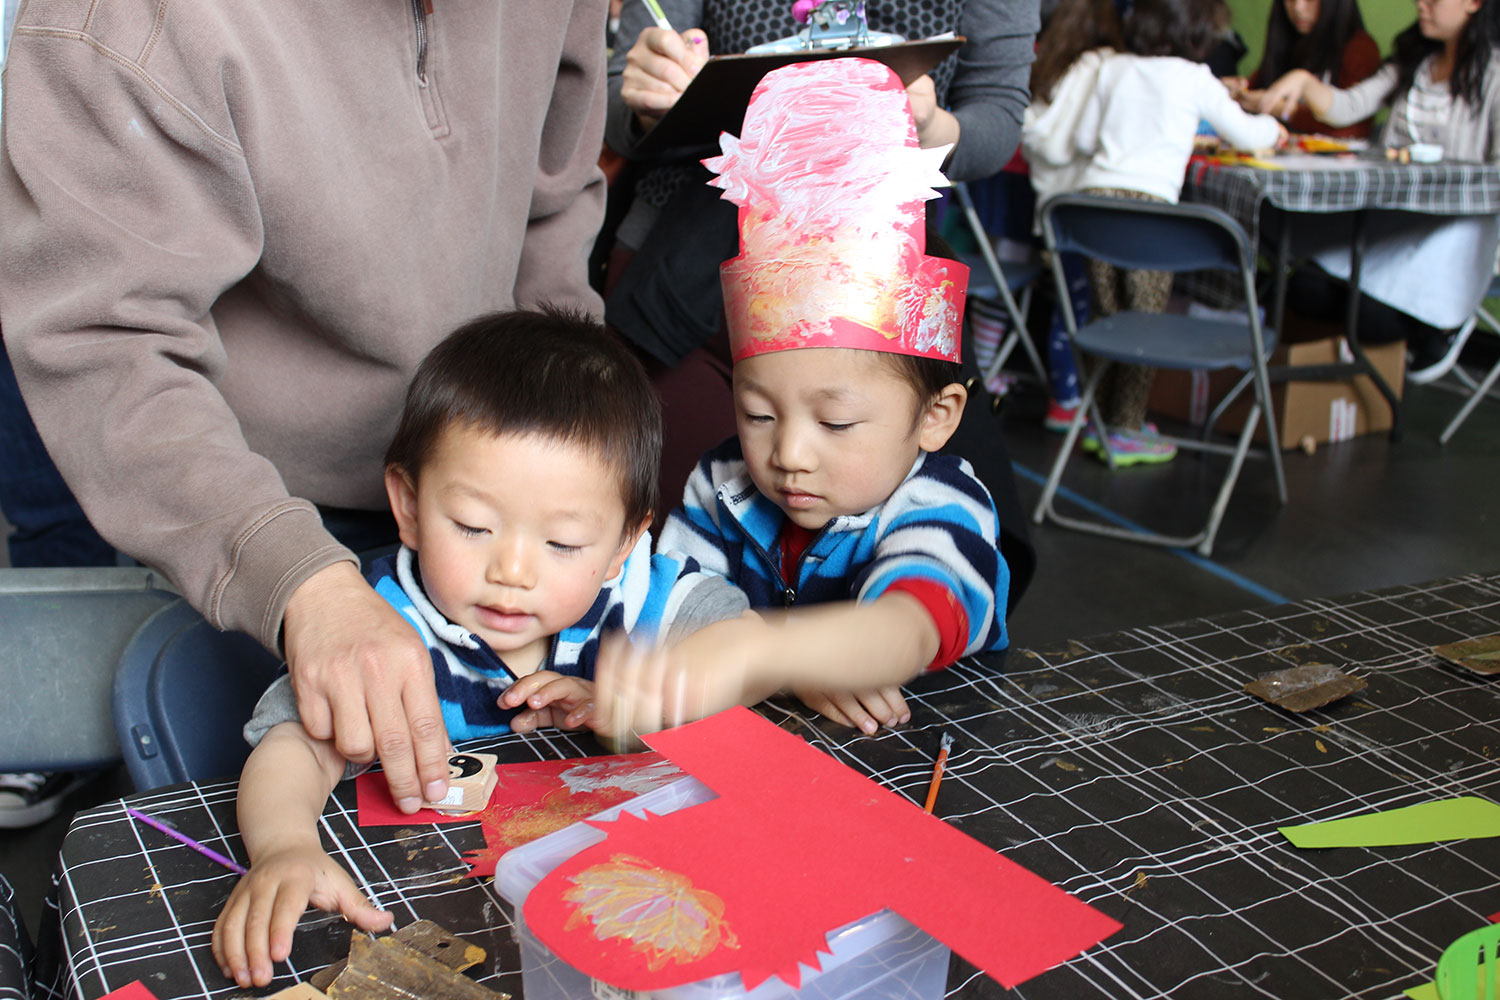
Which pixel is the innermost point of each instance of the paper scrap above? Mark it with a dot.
(1460, 818)
(1305, 687)
(1427, 991)
(740, 883)
(134, 991)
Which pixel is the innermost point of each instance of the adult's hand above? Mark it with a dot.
(1296, 87)
(658, 68)
(935, 126)
(363, 679)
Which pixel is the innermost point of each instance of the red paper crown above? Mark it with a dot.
(831, 182)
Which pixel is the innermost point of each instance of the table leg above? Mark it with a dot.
(1351, 326)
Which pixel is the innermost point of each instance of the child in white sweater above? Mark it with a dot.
(1137, 131)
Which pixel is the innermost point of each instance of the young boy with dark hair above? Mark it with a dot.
(845, 337)
(522, 479)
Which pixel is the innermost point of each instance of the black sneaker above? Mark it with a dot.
(31, 797)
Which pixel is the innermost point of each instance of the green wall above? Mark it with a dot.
(1383, 19)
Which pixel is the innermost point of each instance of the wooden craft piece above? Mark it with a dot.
(427, 938)
(1304, 688)
(385, 969)
(301, 991)
(471, 779)
(1479, 655)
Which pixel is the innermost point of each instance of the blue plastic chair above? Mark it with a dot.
(997, 287)
(1157, 236)
(182, 693)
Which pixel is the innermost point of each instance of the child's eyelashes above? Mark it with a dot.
(563, 549)
(469, 531)
(758, 418)
(833, 426)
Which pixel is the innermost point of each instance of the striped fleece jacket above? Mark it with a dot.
(939, 525)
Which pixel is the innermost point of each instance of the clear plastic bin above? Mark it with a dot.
(881, 956)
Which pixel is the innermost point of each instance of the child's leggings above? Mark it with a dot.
(1124, 389)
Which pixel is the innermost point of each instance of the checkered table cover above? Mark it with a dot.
(1368, 182)
(1130, 769)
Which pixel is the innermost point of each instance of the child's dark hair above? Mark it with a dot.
(1075, 27)
(550, 372)
(1320, 51)
(926, 376)
(1471, 58)
(1187, 29)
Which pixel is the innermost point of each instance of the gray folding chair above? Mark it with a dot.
(1156, 236)
(999, 286)
(1475, 389)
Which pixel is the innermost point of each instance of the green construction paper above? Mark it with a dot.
(1427, 991)
(1426, 823)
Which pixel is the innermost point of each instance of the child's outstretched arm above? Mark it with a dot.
(282, 790)
(843, 648)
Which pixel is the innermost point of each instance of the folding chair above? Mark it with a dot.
(1160, 237)
(1476, 390)
(182, 693)
(1002, 287)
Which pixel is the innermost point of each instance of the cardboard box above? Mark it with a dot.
(1324, 411)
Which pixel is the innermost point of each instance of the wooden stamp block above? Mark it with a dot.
(471, 780)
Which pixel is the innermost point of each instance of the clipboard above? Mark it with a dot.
(715, 101)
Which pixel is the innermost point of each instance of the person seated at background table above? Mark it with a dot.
(522, 478)
(662, 288)
(1442, 85)
(1137, 131)
(1327, 38)
(832, 500)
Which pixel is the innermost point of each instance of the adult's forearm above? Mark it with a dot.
(990, 91)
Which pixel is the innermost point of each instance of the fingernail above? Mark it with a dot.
(435, 790)
(409, 805)
(869, 726)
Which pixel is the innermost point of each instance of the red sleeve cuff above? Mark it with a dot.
(947, 614)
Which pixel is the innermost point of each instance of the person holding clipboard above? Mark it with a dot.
(662, 287)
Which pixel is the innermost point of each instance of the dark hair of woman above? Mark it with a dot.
(1320, 51)
(1187, 29)
(1476, 45)
(1075, 27)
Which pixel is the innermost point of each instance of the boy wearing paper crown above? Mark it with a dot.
(845, 337)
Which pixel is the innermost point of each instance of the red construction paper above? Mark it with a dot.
(796, 845)
(134, 991)
(530, 800)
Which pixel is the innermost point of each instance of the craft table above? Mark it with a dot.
(1130, 769)
(1277, 204)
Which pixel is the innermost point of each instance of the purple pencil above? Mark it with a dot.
(182, 838)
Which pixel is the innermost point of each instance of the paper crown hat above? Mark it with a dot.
(830, 184)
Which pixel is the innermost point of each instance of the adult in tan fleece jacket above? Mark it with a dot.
(228, 233)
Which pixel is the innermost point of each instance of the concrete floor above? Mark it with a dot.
(1362, 514)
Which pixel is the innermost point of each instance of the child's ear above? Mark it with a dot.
(402, 493)
(940, 418)
(628, 542)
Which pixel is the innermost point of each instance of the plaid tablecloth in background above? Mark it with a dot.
(1322, 185)
(1130, 769)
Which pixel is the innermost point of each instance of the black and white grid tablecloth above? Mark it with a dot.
(1130, 769)
(1321, 185)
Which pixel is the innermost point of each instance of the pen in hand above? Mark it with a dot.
(657, 15)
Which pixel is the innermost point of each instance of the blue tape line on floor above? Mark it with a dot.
(1208, 565)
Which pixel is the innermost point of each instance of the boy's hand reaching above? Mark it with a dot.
(866, 711)
(551, 699)
(255, 927)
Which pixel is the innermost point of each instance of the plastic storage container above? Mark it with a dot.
(882, 956)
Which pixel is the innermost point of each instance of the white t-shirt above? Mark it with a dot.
(1139, 124)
